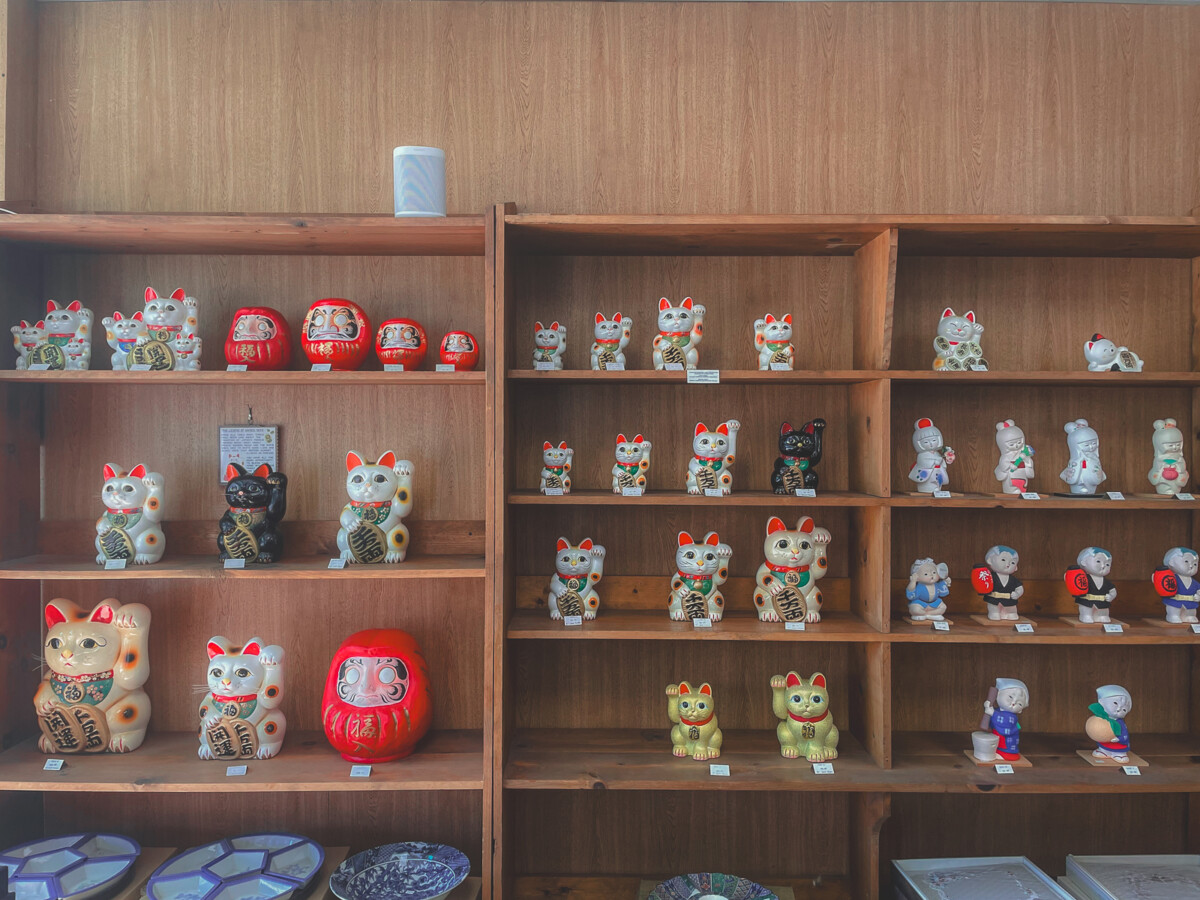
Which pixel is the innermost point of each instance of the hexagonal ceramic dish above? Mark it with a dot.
(70, 867)
(251, 867)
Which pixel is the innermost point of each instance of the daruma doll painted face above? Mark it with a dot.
(401, 341)
(377, 705)
(337, 332)
(461, 350)
(259, 339)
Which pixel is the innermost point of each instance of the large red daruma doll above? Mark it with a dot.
(376, 705)
(259, 339)
(337, 332)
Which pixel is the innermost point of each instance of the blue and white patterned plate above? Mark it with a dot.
(251, 867)
(70, 867)
(411, 871)
(710, 886)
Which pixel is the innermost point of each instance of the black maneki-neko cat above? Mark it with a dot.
(799, 452)
(250, 528)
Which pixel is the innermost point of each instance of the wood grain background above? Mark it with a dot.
(211, 105)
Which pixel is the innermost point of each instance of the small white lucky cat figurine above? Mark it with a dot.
(123, 334)
(62, 340)
(549, 344)
(773, 340)
(1083, 473)
(130, 528)
(786, 583)
(1103, 355)
(930, 471)
(1014, 469)
(701, 567)
(381, 495)
(632, 465)
(612, 337)
(957, 343)
(680, 329)
(573, 588)
(170, 341)
(1168, 473)
(240, 716)
(556, 468)
(711, 465)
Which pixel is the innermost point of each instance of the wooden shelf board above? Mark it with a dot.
(343, 235)
(640, 759)
(444, 761)
(222, 378)
(1074, 377)
(682, 498)
(48, 567)
(652, 625)
(1166, 237)
(1047, 501)
(1047, 630)
(615, 887)
(728, 376)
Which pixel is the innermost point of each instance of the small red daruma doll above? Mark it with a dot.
(461, 350)
(376, 705)
(259, 339)
(401, 341)
(337, 332)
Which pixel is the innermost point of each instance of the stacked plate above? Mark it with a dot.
(70, 867)
(710, 886)
(251, 867)
(1165, 877)
(982, 878)
(409, 871)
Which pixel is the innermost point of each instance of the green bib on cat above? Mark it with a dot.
(87, 689)
(699, 583)
(236, 707)
(123, 519)
(372, 513)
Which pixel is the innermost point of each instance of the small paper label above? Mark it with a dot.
(233, 771)
(1024, 628)
(54, 765)
(704, 376)
(572, 620)
(718, 769)
(140, 367)
(712, 492)
(780, 367)
(806, 492)
(615, 367)
(1131, 770)
(39, 367)
(337, 563)
(793, 626)
(391, 367)
(702, 623)
(977, 367)
(631, 492)
(1004, 768)
(942, 495)
(237, 367)
(1030, 495)
(554, 492)
(673, 367)
(543, 365)
(235, 564)
(1196, 628)
(1184, 496)
(115, 563)
(444, 367)
(825, 768)
(941, 626)
(322, 367)
(1115, 495)
(360, 771)
(1113, 628)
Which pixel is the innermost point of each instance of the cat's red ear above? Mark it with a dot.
(547, 445)
(251, 649)
(109, 472)
(639, 439)
(41, 323)
(554, 326)
(586, 545)
(215, 649)
(663, 303)
(262, 471)
(807, 525)
(75, 306)
(353, 461)
(117, 317)
(54, 615)
(538, 326)
(138, 315)
(793, 680)
(102, 614)
(600, 318)
(706, 688)
(150, 294)
(970, 316)
(563, 544)
(617, 317)
(818, 680)
(700, 429)
(770, 319)
(178, 294)
(684, 688)
(722, 428)
(947, 313)
(785, 428)
(685, 539)
(620, 438)
(231, 472)
(776, 524)
(562, 445)
(712, 539)
(138, 471)
(51, 306)
(388, 460)
(687, 303)
(788, 319)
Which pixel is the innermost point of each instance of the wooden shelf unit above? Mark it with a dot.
(580, 712)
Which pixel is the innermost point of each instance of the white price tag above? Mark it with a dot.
(54, 765)
(1131, 770)
(337, 563)
(1114, 628)
(712, 492)
(793, 626)
(322, 367)
(140, 367)
(1030, 495)
(360, 771)
(553, 492)
(823, 768)
(115, 563)
(704, 376)
(1004, 768)
(543, 365)
(235, 564)
(1184, 496)
(572, 620)
(941, 626)
(1115, 495)
(806, 492)
(444, 367)
(1195, 628)
(631, 492)
(615, 367)
(942, 495)
(39, 367)
(780, 367)
(718, 769)
(237, 367)
(1024, 627)
(392, 367)
(702, 623)
(977, 367)
(234, 771)
(673, 367)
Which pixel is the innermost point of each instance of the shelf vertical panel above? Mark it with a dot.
(18, 159)
(871, 698)
(1195, 313)
(875, 289)
(870, 437)
(868, 812)
(493, 633)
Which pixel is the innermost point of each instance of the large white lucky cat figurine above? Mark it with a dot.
(612, 337)
(785, 586)
(372, 527)
(773, 340)
(1083, 473)
(680, 329)
(63, 340)
(171, 340)
(240, 716)
(701, 567)
(957, 343)
(713, 454)
(578, 570)
(1168, 473)
(549, 344)
(131, 528)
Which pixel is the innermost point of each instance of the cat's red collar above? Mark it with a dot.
(369, 503)
(699, 724)
(247, 509)
(95, 676)
(130, 511)
(775, 568)
(805, 719)
(674, 333)
(242, 699)
(711, 458)
(608, 343)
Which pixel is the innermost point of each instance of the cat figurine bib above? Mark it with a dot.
(696, 733)
(171, 328)
(123, 333)
(573, 587)
(91, 699)
(372, 528)
(713, 453)
(130, 528)
(701, 567)
(773, 340)
(240, 716)
(62, 340)
(549, 344)
(786, 583)
(556, 468)
(807, 728)
(257, 501)
(800, 450)
(680, 329)
(612, 337)
(632, 465)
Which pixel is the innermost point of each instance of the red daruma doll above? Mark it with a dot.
(259, 339)
(460, 349)
(376, 705)
(336, 331)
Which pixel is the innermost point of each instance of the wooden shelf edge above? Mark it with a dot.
(682, 498)
(302, 378)
(728, 376)
(54, 568)
(533, 624)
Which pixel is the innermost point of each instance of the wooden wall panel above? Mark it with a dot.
(599, 107)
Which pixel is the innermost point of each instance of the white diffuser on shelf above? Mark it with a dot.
(420, 181)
